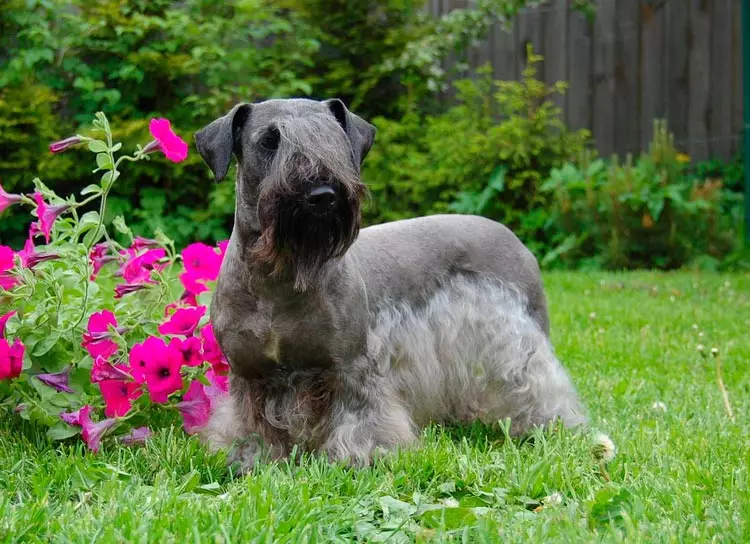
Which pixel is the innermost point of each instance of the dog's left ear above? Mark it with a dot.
(361, 133)
(220, 138)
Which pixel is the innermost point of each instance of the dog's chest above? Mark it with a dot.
(295, 345)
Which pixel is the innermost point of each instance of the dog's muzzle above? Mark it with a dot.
(321, 199)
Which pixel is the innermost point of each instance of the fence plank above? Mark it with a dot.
(699, 60)
(504, 52)
(530, 23)
(736, 70)
(720, 81)
(627, 81)
(556, 45)
(653, 62)
(677, 84)
(639, 60)
(604, 77)
(579, 95)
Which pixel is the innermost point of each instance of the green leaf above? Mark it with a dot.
(497, 178)
(97, 146)
(108, 179)
(610, 505)
(92, 237)
(212, 489)
(103, 161)
(89, 218)
(61, 431)
(116, 147)
(448, 518)
(119, 223)
(46, 344)
(189, 482)
(91, 189)
(655, 207)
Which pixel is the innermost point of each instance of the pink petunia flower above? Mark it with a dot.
(219, 386)
(47, 215)
(200, 400)
(137, 436)
(8, 199)
(11, 359)
(98, 258)
(59, 380)
(4, 321)
(189, 299)
(183, 322)
(72, 418)
(163, 374)
(30, 258)
(140, 243)
(190, 350)
(154, 363)
(62, 145)
(93, 432)
(202, 261)
(138, 269)
(212, 352)
(104, 370)
(98, 338)
(173, 147)
(139, 354)
(119, 396)
(7, 262)
(223, 247)
(195, 408)
(193, 286)
(127, 288)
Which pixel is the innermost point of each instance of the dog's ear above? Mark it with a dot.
(361, 133)
(220, 138)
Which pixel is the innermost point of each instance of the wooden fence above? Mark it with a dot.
(638, 60)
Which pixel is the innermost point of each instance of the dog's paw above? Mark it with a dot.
(246, 453)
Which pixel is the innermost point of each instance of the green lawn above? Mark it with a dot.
(680, 474)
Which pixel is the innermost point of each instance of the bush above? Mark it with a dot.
(647, 213)
(190, 61)
(99, 338)
(487, 155)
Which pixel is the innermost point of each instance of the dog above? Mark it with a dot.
(347, 341)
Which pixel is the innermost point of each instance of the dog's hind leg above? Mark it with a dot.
(527, 383)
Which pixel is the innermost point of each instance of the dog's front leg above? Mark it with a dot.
(239, 425)
(366, 416)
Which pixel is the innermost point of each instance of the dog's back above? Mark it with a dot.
(409, 260)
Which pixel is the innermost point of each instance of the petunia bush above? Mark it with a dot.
(98, 338)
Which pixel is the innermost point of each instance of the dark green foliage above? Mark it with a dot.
(61, 61)
(487, 155)
(189, 62)
(647, 213)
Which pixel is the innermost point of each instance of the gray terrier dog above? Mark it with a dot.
(346, 341)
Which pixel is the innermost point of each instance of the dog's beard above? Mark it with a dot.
(297, 242)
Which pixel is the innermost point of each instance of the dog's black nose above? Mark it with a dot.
(322, 198)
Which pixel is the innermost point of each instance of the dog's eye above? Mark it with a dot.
(270, 140)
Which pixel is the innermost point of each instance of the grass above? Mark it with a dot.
(629, 340)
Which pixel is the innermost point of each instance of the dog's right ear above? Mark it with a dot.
(219, 139)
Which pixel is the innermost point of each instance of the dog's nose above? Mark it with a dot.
(322, 198)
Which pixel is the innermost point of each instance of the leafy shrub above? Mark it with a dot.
(731, 173)
(91, 326)
(487, 155)
(647, 213)
(63, 61)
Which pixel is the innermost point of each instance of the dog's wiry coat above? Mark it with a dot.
(344, 341)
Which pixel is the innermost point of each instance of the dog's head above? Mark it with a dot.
(298, 178)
